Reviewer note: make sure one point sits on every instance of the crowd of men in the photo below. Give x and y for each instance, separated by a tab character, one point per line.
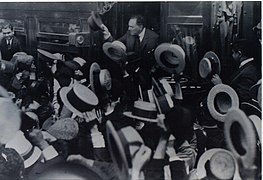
84	124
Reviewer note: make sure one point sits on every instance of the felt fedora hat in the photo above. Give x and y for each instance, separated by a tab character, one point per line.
29	152
123	145
95	21
170	57
65	129
240	136
143	111
100	79
209	65
47	56
115	50
78	99
222	164
220	99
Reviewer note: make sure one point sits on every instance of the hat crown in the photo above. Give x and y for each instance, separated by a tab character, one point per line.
80	61
119	44
85	94
105	79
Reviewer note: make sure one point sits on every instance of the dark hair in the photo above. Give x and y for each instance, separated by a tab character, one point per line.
7	25
244	46
139	19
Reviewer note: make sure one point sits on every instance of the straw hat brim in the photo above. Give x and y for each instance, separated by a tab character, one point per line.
33	158
119	152
108	46
63	94
211	99
177	51
237	118
48	55
201	172
94	67
130	115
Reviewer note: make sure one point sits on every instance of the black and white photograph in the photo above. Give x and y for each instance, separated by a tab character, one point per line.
130	90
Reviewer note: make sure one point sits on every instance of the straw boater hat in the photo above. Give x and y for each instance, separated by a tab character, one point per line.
68	171
143	111
100	79
29	153
76	63
123	145
65	129
95	21
115	50
222	164
240	136
250	109
209	65
170	57
47	56
220	99
162	93
78	99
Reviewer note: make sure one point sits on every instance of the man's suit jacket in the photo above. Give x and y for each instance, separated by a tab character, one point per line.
243	79
147	47
6	53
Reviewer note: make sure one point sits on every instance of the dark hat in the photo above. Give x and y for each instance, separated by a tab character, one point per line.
95	21
7	67
220	99
222	164
29	153
240	136
65	129
209	65
143	111
161	87
69	171
11	163
78	99
47	56
123	145
170	57
115	50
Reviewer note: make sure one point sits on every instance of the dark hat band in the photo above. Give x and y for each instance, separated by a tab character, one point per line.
29	154
97	85
77	103
214	65
144	113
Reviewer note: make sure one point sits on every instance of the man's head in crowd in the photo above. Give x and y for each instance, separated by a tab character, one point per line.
241	50
136	24
8	31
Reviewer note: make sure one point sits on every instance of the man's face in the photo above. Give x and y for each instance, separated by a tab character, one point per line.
134	28
8	33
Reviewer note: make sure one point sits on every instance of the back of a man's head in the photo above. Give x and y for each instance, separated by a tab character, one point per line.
244	46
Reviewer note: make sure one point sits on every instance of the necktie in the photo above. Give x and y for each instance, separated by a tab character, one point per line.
137	44
9	44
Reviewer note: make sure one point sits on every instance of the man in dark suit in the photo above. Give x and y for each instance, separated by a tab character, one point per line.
9	44
247	73
140	44
138	39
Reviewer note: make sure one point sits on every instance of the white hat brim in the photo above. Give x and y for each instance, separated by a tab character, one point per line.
33	158
201	172
63	95
106	46
129	114
211	98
